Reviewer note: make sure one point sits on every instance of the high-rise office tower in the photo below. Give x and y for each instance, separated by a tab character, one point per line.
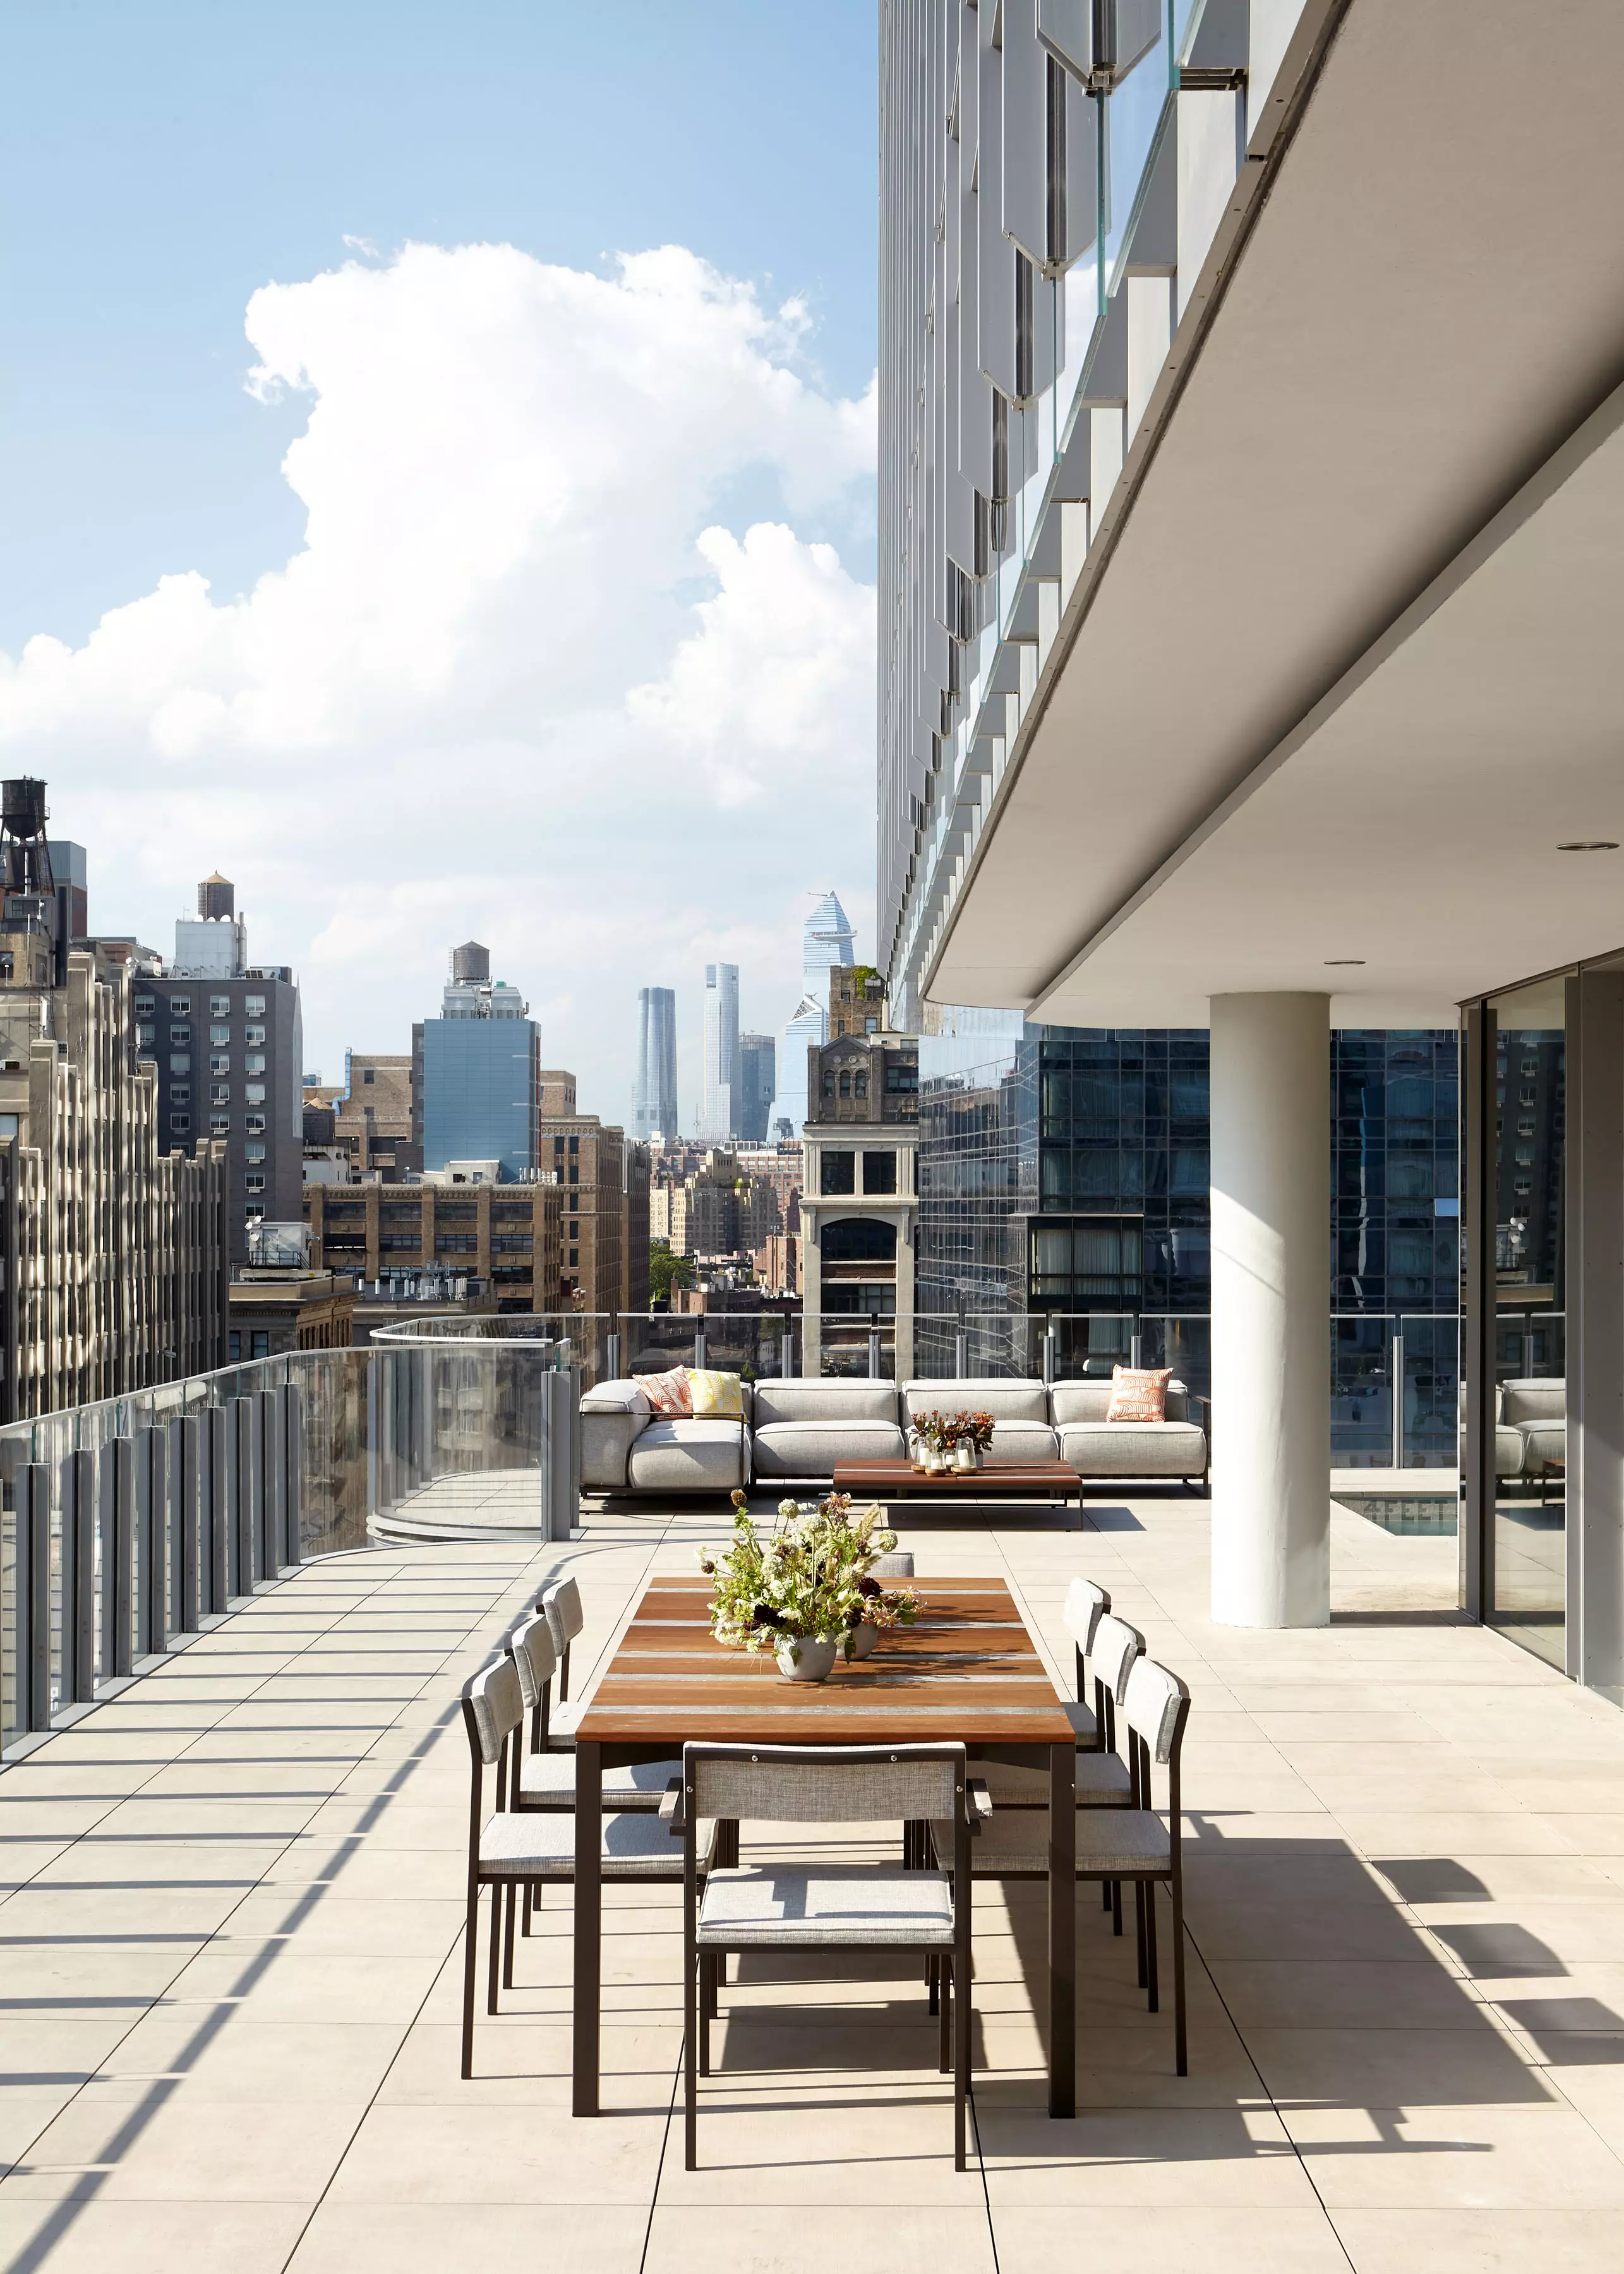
654	1102
481	1099
757	1077
825	941
718	1119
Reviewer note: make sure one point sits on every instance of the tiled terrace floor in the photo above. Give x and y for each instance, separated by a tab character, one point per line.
229	1980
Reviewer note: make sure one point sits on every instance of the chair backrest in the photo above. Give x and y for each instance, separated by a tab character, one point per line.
825	1784
495	1707
1155	1706
1086	1605
897	1565
1115	1646
535	1655
560	1606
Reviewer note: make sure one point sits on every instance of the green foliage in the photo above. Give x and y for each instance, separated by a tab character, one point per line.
666	1271
806	1581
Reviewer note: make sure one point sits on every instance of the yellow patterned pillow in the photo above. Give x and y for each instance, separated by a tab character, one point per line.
719	1396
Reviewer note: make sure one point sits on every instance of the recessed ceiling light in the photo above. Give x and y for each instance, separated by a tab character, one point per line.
1591	845
1332	960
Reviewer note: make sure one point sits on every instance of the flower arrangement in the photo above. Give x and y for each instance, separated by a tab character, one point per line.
807	1580
949	1430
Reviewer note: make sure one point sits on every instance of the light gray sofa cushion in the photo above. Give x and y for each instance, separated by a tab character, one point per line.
814	1399
1531	1398
1133	1449
1091	1401
1508	1452
1005	1401
1013	1442
689	1456
606	1440
810	1448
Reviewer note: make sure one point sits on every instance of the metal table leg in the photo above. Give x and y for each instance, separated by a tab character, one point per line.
589	1923
1061	1930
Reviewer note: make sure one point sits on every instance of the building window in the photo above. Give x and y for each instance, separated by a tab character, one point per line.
838	1172
253	1184
220	1093
261	1346
180	1062
575	1258
845	1082
181	1037
237	1352
143	1038
219	1007
254	1092
221	1063
879	1172
859	1085
220	1125
254	1123
180	1093
254	1062
180	1006
871	1025
253	1152
180	1124
144	1007
253	1006
254	1037
367	1076
254	1214
857	1239
219	1036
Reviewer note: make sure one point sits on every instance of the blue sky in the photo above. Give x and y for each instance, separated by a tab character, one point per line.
162	163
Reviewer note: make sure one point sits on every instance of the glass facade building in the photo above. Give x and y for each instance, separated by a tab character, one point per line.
1067	1171
480	1099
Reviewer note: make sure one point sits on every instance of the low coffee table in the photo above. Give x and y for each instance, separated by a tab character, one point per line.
1050	1480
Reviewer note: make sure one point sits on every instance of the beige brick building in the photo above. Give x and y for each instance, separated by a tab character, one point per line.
507	1236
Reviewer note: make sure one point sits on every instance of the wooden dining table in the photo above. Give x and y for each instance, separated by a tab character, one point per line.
967	1671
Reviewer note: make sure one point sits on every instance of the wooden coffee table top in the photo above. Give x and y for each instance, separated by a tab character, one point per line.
968	1670
1008	1477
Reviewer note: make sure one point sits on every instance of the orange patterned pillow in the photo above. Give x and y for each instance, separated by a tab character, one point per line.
668	1393
1139	1394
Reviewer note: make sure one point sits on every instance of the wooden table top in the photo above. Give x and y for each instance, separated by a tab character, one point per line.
996	1477
966	1671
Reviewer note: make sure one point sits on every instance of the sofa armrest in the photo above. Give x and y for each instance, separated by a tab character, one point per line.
606	1440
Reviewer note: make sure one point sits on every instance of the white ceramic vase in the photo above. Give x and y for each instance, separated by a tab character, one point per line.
807	1660
964	1459
863	1638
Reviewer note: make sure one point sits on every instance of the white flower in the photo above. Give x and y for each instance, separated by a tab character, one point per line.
788	1507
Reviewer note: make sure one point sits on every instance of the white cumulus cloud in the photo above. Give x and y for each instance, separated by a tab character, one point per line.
533	675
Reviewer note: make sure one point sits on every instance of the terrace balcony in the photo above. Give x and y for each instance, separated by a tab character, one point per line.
230	1955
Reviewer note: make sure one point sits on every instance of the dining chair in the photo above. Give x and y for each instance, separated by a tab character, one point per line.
1103	1778
827	1906
559	1604
898	1565
1114	1844
513	1848
543	1778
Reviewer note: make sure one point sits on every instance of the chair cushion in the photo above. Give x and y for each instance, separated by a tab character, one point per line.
1005	1400
1111	1842
690	1457
1134	1449
819	1399
1103	1781
1017	1441
810	1448
534	1844
548	1780
788	1907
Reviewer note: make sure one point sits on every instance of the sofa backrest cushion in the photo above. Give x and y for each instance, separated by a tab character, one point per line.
615	1398
816	1398
1005	1400
1530	1400
1091	1401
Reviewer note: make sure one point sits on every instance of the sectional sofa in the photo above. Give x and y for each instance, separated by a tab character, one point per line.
1530	1426
794	1430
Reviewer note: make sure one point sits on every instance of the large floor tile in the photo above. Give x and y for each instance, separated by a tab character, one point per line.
1478	2157
1460	2240
105	2237
475	2153
1045	2240
758	2239
1221	2159
465	2238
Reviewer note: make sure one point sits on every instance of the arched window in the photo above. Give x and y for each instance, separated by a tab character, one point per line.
845	1082
857	1240
861	1085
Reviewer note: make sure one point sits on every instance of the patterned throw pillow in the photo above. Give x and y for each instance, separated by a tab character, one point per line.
719	1396
1138	1394
668	1393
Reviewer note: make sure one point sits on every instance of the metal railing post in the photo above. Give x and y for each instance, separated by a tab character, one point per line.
699	1344
612	1343
78	1579
874	1347
273	1515
243	1497
1136	1346
786	1354
116	1505
560	1467
1050	1358
961	1355
33	1507
185	1533
292	1439
151	1510
1398	1400
215	1477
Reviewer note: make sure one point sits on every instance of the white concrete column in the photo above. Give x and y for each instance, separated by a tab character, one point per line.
1271	1186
